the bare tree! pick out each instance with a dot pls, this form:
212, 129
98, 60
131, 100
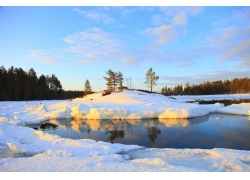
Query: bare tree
129, 83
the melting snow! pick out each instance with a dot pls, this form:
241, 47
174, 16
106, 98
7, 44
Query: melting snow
44, 152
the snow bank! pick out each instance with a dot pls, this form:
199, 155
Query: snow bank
238, 109
124, 105
186, 98
50, 153
26, 141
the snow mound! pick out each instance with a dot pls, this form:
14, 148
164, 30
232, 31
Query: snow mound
126, 105
238, 109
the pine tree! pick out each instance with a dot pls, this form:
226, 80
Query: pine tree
87, 87
113, 79
120, 79
151, 79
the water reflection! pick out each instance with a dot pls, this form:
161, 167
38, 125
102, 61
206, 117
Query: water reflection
153, 132
115, 134
211, 131
48, 126
112, 125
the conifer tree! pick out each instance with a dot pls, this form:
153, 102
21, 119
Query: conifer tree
113, 79
87, 87
151, 79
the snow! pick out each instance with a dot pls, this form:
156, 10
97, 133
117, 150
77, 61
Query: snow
186, 98
124, 105
239, 109
23, 149
45, 152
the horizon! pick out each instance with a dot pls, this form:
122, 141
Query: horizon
181, 44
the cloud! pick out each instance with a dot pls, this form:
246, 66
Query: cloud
159, 19
128, 10
41, 56
242, 14
49, 56
184, 64
200, 78
95, 46
130, 60
164, 34
232, 43
172, 11
171, 23
95, 15
180, 19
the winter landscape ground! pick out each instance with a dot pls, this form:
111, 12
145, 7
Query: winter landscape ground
29, 150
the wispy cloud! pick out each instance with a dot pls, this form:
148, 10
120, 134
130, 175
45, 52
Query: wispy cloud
95, 46
232, 43
50, 56
184, 64
180, 19
164, 34
98, 16
41, 56
171, 23
200, 78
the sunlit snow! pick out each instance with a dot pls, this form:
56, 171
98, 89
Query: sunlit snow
26, 149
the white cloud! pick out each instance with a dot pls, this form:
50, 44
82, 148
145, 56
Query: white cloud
180, 19
242, 14
95, 46
173, 10
184, 64
95, 15
49, 56
232, 43
164, 33
159, 19
171, 23
130, 60
200, 78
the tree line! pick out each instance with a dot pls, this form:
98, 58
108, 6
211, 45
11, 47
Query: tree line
235, 86
18, 85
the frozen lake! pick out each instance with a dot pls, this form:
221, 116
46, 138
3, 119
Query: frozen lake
206, 132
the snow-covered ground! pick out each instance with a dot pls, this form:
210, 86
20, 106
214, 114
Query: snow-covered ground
31, 150
211, 97
51, 153
122, 105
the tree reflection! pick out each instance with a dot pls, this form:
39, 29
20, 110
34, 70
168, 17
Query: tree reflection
153, 132
115, 134
48, 126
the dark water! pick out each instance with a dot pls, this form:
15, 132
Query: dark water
206, 132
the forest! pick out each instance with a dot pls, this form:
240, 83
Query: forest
18, 85
234, 86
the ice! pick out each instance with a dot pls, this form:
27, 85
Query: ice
239, 109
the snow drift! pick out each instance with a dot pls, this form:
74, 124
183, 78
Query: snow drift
126, 105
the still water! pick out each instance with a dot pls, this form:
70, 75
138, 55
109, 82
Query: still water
206, 132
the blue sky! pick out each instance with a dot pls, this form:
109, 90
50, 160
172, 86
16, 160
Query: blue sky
181, 43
